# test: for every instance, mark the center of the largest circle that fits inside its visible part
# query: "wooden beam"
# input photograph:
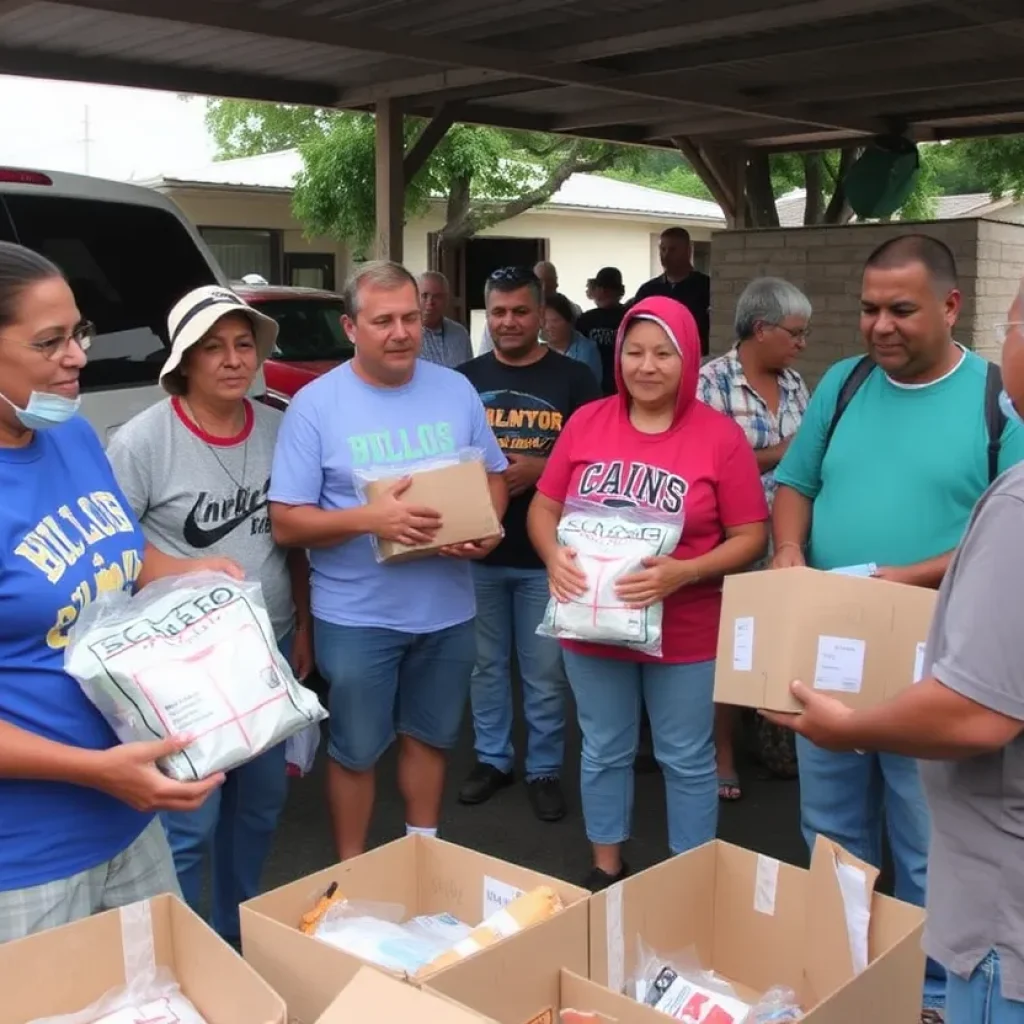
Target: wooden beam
(715, 175)
(426, 142)
(435, 49)
(116, 71)
(390, 183)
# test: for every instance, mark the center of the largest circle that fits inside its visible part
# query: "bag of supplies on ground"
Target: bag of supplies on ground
(611, 543)
(190, 656)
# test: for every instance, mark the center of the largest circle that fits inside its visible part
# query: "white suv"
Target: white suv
(129, 254)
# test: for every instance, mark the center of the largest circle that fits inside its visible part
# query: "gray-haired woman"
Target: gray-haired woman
(755, 384)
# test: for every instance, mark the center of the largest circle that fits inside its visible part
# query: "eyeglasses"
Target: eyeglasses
(1002, 330)
(514, 276)
(57, 347)
(797, 334)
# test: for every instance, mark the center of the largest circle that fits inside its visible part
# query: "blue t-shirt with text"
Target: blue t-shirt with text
(66, 535)
(338, 424)
(903, 470)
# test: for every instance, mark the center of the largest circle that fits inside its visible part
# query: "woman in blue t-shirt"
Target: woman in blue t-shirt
(77, 826)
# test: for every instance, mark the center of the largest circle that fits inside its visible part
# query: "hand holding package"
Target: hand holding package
(190, 656)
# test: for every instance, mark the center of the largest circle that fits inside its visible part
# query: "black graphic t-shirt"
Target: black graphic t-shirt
(527, 408)
(602, 327)
(198, 496)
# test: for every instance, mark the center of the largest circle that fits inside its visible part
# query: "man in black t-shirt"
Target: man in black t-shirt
(529, 392)
(681, 281)
(601, 324)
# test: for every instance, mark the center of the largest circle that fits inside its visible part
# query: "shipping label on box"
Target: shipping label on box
(859, 639)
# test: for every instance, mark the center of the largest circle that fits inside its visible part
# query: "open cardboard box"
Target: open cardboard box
(859, 639)
(759, 924)
(459, 492)
(374, 997)
(530, 978)
(66, 969)
(425, 876)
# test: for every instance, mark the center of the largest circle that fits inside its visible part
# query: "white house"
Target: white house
(243, 209)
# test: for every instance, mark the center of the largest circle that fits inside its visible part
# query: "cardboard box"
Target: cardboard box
(760, 924)
(65, 970)
(459, 492)
(425, 876)
(531, 978)
(374, 997)
(861, 640)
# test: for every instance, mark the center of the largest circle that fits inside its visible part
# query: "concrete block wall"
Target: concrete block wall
(827, 263)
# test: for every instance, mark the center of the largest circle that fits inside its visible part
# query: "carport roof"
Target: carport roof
(764, 73)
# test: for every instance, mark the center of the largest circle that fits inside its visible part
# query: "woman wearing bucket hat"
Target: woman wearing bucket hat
(196, 470)
(77, 830)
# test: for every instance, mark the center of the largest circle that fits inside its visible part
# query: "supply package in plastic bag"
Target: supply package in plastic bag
(452, 483)
(611, 543)
(152, 999)
(680, 988)
(190, 656)
(300, 750)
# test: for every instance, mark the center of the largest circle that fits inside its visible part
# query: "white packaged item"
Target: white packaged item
(190, 656)
(611, 543)
(152, 999)
(300, 749)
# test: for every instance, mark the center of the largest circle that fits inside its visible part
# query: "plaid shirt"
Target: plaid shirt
(448, 345)
(723, 385)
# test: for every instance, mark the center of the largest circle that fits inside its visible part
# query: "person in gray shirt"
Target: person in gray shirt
(965, 721)
(196, 470)
(445, 342)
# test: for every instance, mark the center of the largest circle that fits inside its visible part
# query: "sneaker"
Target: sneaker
(546, 798)
(482, 783)
(599, 880)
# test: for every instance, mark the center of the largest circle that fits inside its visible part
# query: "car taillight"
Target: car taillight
(12, 174)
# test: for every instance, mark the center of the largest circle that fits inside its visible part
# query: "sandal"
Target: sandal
(729, 790)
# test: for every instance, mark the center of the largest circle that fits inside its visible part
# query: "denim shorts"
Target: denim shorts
(385, 682)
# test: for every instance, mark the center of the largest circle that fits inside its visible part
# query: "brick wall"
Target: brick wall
(827, 262)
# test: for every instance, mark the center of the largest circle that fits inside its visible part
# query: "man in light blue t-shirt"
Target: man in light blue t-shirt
(396, 643)
(894, 486)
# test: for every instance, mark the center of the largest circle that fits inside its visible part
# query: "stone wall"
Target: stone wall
(827, 262)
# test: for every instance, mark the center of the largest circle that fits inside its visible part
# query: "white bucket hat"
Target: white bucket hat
(194, 316)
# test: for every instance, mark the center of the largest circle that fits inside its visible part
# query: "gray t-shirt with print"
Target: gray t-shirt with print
(976, 648)
(198, 496)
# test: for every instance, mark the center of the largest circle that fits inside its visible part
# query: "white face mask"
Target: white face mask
(44, 410)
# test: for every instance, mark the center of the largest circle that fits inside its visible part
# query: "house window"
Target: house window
(242, 251)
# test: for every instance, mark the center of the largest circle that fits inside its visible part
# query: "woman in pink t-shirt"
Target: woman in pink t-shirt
(653, 445)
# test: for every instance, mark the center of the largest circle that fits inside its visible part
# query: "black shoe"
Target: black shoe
(482, 783)
(546, 798)
(599, 880)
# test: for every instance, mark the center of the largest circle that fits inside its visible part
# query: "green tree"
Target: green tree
(483, 175)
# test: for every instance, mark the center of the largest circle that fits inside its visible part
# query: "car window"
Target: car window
(127, 265)
(309, 329)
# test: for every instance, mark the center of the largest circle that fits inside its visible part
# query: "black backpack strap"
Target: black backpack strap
(995, 420)
(848, 389)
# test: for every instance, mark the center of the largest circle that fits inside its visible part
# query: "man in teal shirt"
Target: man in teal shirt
(894, 486)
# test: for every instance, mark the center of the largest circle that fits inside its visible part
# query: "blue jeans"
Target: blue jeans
(682, 714)
(510, 603)
(235, 827)
(842, 797)
(979, 999)
(384, 681)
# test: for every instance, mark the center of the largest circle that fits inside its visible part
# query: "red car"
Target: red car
(310, 341)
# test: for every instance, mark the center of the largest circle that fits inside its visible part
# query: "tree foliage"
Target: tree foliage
(484, 175)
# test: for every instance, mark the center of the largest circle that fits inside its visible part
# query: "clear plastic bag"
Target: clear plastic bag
(363, 476)
(611, 543)
(777, 1006)
(680, 988)
(190, 656)
(375, 932)
(153, 998)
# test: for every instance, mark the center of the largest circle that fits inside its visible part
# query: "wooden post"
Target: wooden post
(390, 181)
(740, 191)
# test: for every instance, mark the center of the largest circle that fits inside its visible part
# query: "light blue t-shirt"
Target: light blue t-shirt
(903, 470)
(585, 350)
(339, 423)
(67, 535)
